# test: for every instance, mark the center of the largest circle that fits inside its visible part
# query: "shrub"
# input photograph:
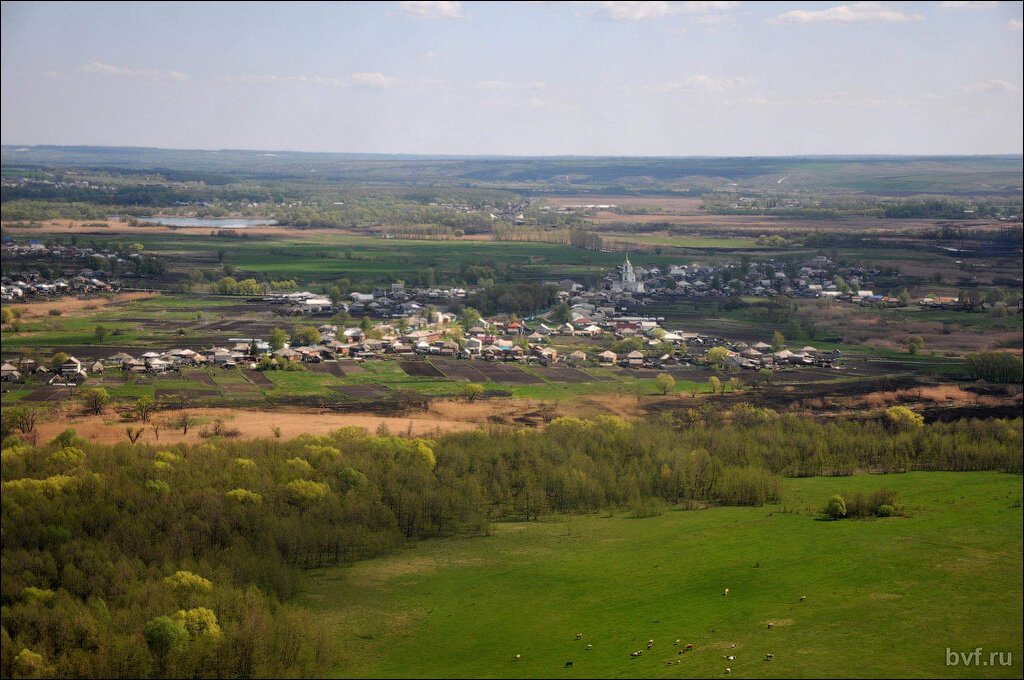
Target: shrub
(902, 419)
(836, 507)
(882, 497)
(885, 511)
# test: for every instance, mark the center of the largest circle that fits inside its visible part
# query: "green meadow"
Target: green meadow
(884, 597)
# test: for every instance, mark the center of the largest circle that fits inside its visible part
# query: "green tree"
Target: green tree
(561, 313)
(664, 382)
(144, 407)
(305, 336)
(778, 341)
(915, 343)
(277, 339)
(472, 391)
(6, 315)
(57, 360)
(164, 635)
(94, 399)
(716, 356)
(715, 384)
(469, 317)
(101, 332)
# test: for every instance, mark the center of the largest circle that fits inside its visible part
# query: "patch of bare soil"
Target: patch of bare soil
(250, 423)
(72, 306)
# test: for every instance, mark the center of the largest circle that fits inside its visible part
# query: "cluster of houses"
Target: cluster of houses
(71, 371)
(34, 282)
(394, 301)
(818, 277)
(34, 286)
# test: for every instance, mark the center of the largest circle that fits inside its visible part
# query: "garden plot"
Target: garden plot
(361, 391)
(508, 374)
(258, 379)
(48, 394)
(235, 385)
(420, 369)
(186, 394)
(461, 370)
(199, 377)
(564, 374)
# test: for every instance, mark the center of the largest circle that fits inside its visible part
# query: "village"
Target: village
(597, 333)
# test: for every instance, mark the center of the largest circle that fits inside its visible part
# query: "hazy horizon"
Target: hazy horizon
(592, 79)
(15, 147)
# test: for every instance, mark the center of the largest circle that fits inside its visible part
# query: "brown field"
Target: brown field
(71, 306)
(442, 416)
(251, 423)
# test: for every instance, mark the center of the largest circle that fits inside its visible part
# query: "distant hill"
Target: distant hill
(892, 175)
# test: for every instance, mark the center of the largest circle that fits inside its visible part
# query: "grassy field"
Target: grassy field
(884, 597)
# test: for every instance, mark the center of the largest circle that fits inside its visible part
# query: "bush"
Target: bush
(836, 507)
(902, 419)
(748, 486)
(885, 511)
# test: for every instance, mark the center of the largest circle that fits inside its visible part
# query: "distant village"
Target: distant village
(419, 328)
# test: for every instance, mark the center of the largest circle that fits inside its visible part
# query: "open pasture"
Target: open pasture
(884, 597)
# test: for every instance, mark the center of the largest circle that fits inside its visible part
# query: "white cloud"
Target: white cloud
(856, 13)
(432, 10)
(960, 4)
(655, 9)
(429, 54)
(1015, 25)
(370, 81)
(701, 83)
(993, 86)
(361, 81)
(110, 70)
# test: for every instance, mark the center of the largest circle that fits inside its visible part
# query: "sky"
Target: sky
(531, 78)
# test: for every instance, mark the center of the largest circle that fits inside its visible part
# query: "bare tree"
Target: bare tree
(183, 422)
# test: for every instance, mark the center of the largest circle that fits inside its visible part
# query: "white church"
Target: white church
(629, 283)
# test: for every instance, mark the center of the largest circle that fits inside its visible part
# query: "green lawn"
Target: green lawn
(884, 597)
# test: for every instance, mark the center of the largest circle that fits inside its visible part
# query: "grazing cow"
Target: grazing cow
(769, 625)
(516, 657)
(687, 648)
(769, 657)
(579, 636)
(731, 657)
(726, 592)
(728, 670)
(676, 642)
(803, 597)
(636, 653)
(568, 663)
(590, 647)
